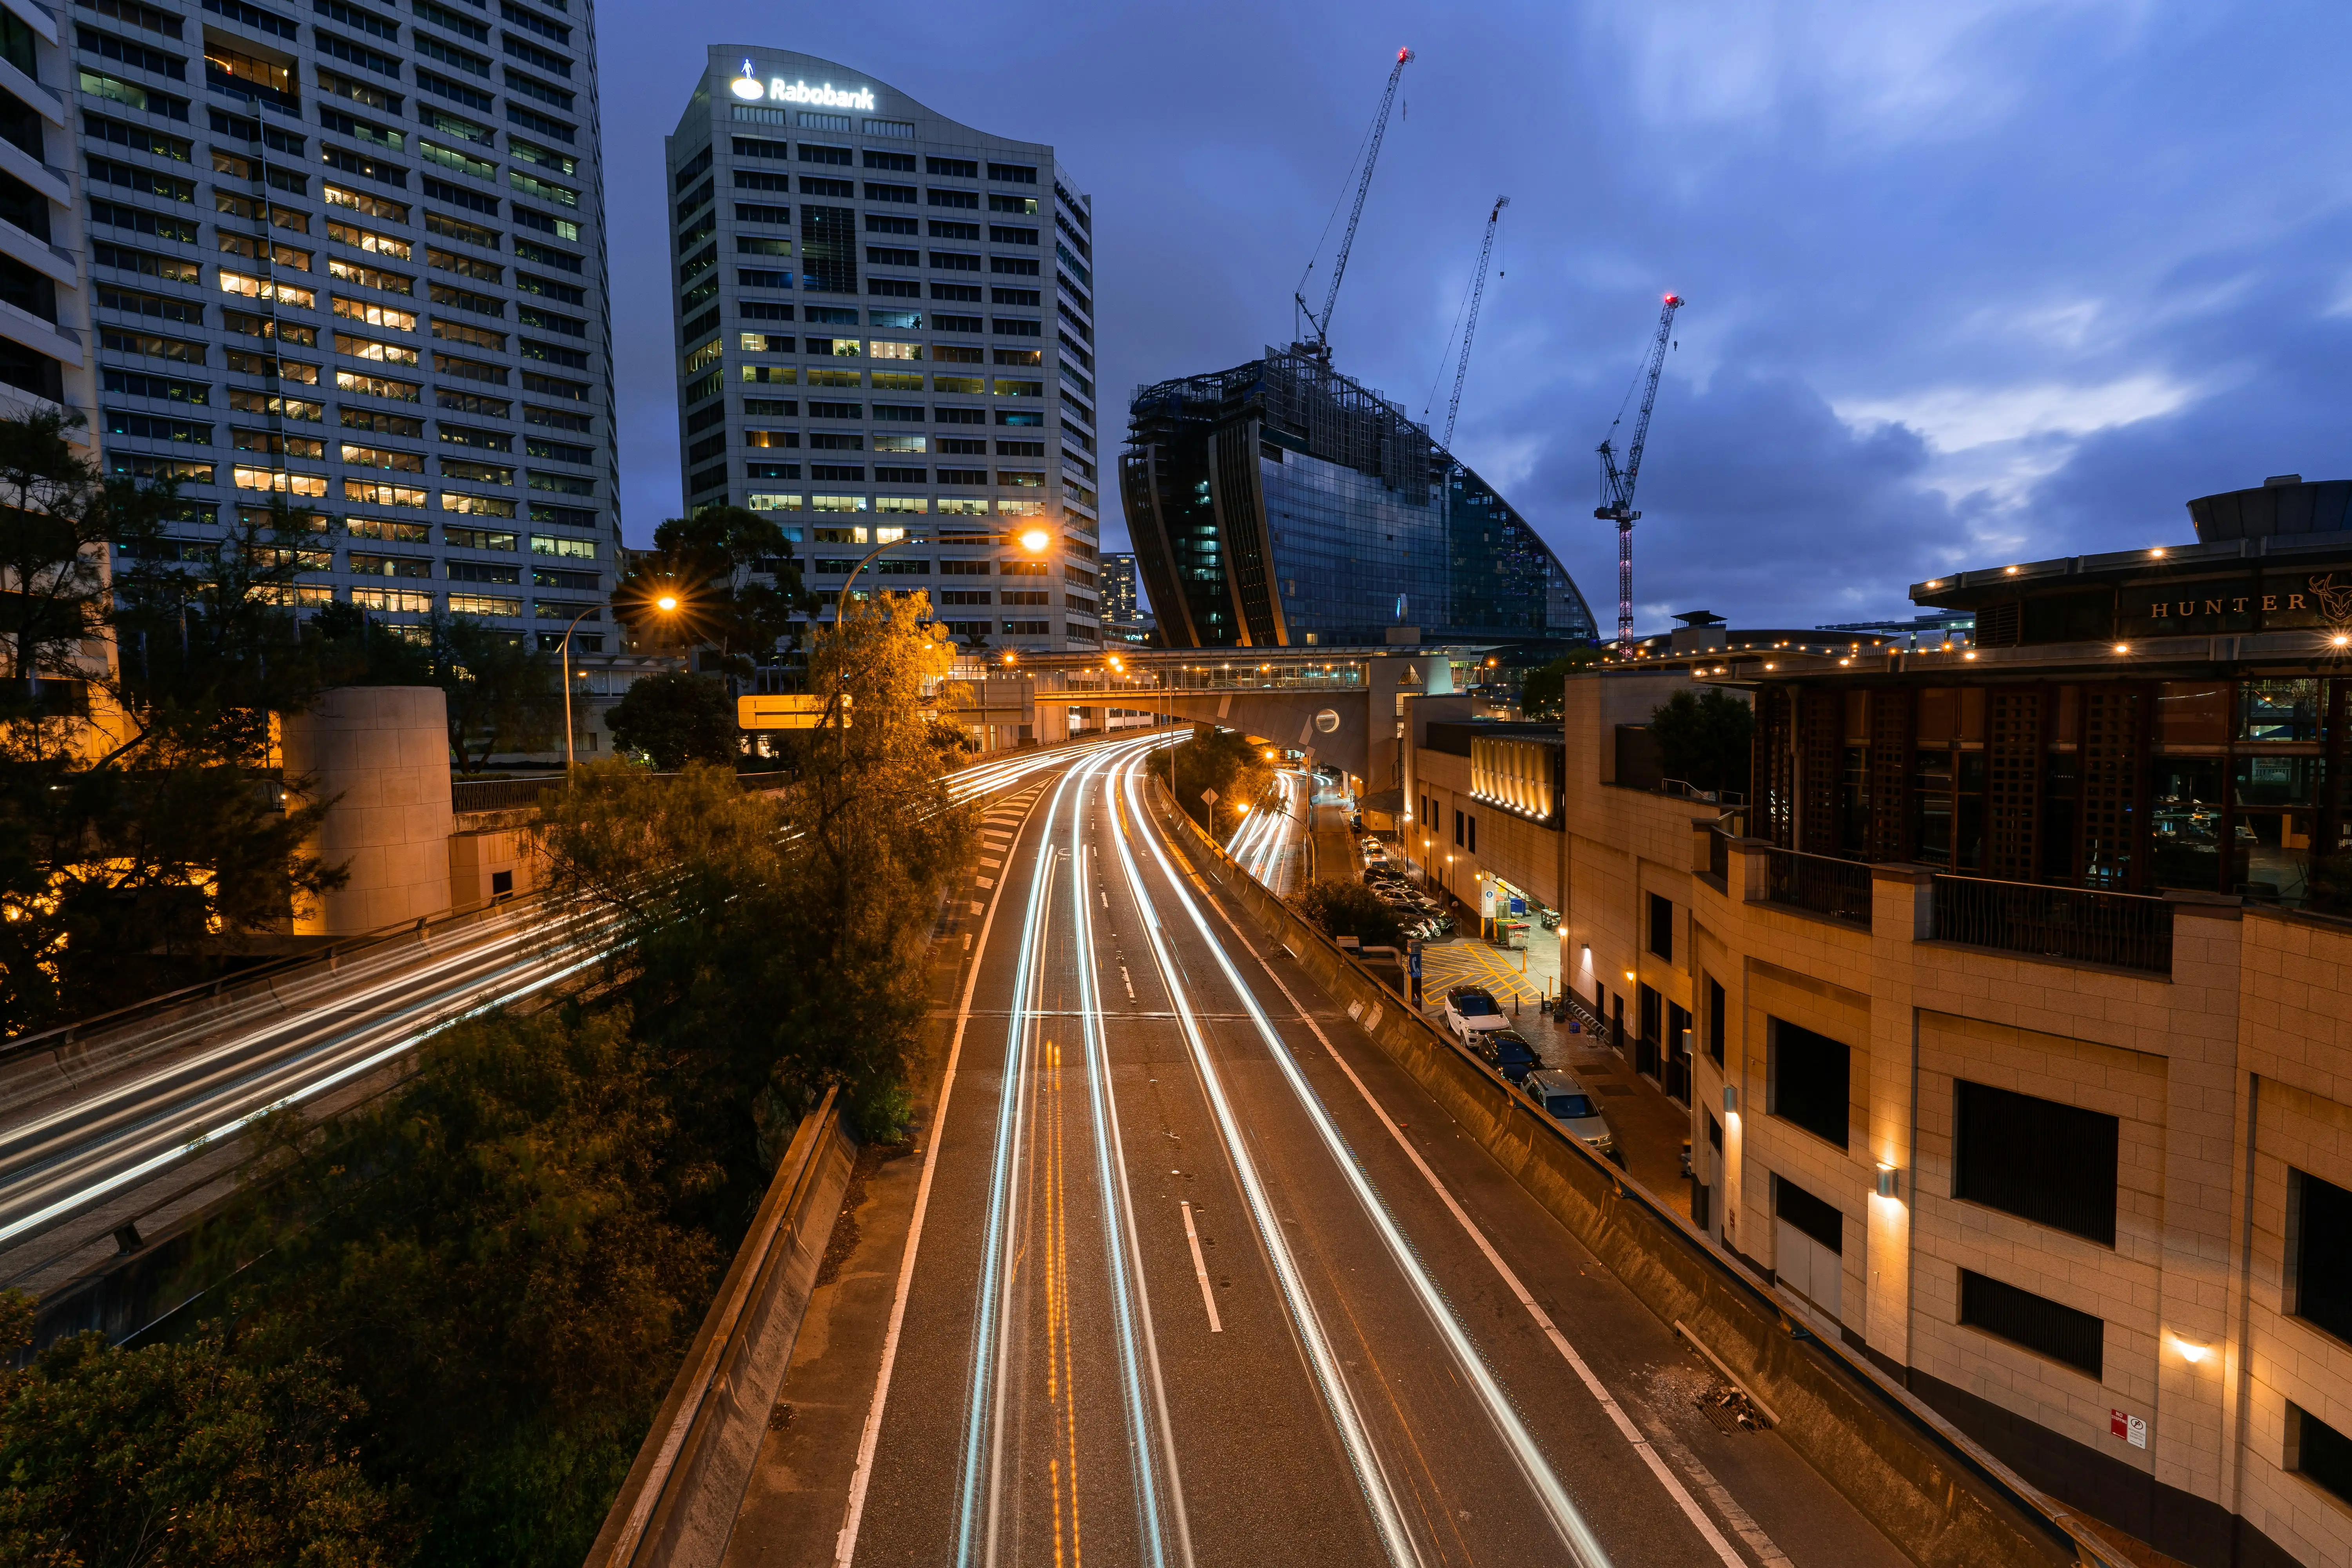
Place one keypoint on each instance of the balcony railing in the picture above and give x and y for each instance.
(2126, 931)
(1718, 857)
(1838, 889)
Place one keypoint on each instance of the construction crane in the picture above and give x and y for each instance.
(1470, 327)
(1320, 348)
(1617, 486)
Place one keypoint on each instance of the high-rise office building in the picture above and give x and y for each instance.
(1281, 503)
(352, 258)
(1120, 605)
(44, 359)
(886, 322)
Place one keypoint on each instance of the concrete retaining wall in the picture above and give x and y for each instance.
(679, 1504)
(1934, 1499)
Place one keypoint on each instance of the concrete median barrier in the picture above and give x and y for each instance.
(679, 1506)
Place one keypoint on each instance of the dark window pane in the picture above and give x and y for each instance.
(2051, 1164)
(1809, 1080)
(2036, 1322)
(1816, 1217)
(2320, 1252)
(2318, 1452)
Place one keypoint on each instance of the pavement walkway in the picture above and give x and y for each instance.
(1650, 1129)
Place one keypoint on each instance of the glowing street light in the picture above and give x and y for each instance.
(667, 603)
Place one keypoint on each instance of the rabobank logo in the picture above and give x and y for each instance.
(751, 88)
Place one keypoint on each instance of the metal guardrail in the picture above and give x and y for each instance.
(1819, 884)
(523, 793)
(502, 794)
(2082, 925)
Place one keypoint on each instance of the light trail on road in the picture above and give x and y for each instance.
(1006, 1248)
(1562, 1514)
(1380, 1494)
(192, 1089)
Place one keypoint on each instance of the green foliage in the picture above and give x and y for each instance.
(707, 561)
(495, 1256)
(1226, 761)
(504, 695)
(676, 718)
(183, 1455)
(783, 951)
(138, 821)
(1349, 909)
(1543, 691)
(1703, 739)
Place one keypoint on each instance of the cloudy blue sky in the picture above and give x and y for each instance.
(1969, 282)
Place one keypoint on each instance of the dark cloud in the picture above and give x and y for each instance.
(1758, 502)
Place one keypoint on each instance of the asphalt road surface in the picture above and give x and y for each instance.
(1195, 1276)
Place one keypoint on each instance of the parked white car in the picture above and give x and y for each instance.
(1471, 1011)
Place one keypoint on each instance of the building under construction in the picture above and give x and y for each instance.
(1282, 504)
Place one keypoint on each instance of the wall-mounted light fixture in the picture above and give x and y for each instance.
(1731, 1099)
(1888, 1178)
(2191, 1352)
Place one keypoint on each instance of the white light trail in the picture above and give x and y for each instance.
(1574, 1533)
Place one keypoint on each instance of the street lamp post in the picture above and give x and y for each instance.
(1034, 540)
(666, 604)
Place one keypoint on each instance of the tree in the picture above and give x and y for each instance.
(503, 695)
(676, 718)
(783, 948)
(1224, 761)
(707, 561)
(1703, 739)
(497, 1256)
(1349, 909)
(1543, 691)
(180, 1455)
(137, 824)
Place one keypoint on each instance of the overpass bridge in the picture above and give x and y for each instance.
(1341, 705)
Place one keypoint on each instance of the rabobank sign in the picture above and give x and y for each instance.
(751, 90)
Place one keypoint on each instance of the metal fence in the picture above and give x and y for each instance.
(500, 794)
(1818, 883)
(2128, 930)
(522, 794)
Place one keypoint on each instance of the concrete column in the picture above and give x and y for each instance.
(379, 755)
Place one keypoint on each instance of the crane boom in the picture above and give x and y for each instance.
(1470, 327)
(1322, 323)
(1617, 486)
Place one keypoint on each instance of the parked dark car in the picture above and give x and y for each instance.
(1507, 1053)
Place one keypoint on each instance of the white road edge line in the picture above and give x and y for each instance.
(1625, 1423)
(845, 1542)
(1201, 1270)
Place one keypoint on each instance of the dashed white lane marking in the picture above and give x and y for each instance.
(1200, 1272)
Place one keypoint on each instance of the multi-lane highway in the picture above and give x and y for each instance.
(1195, 1276)
(137, 1126)
(1266, 844)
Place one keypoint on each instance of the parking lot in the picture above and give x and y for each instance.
(1650, 1128)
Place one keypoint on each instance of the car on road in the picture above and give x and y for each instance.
(1470, 1010)
(1568, 1103)
(1507, 1052)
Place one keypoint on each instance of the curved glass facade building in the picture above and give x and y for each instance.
(1281, 504)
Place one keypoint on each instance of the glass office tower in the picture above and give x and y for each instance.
(1282, 504)
(353, 257)
(886, 322)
